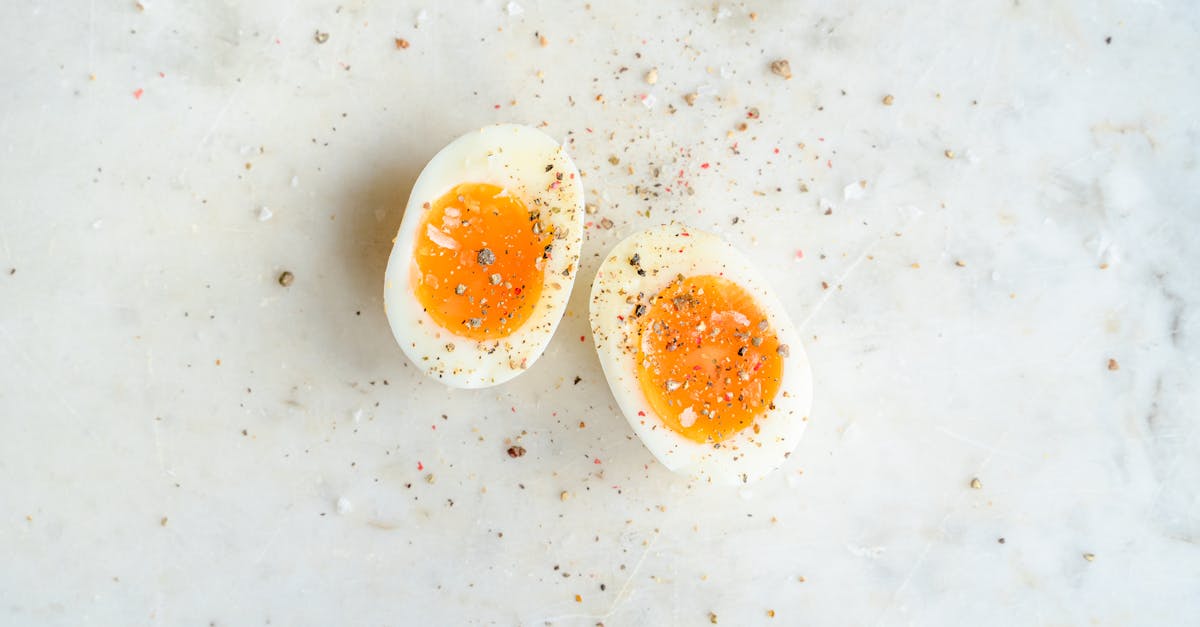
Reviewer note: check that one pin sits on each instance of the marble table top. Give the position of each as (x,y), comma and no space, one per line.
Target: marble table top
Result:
(983,218)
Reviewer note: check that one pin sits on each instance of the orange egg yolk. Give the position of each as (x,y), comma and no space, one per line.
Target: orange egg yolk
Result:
(707,360)
(478,261)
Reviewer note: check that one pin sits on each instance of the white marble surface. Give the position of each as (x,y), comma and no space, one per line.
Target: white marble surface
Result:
(185,442)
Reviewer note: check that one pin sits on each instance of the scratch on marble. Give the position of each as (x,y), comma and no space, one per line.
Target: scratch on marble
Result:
(991,449)
(158,449)
(270,542)
(841,280)
(17,350)
(91,35)
(621,597)
(941,528)
(212,128)
(845,275)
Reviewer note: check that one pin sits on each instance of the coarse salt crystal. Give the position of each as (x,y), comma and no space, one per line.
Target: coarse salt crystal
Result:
(687,418)
(853,191)
(648,100)
(440,238)
(264,214)
(344,506)
(512,8)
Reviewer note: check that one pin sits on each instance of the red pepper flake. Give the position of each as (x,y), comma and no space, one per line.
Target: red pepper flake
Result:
(496,106)
(514,409)
(420,466)
(517,291)
(641,413)
(596,461)
(799,254)
(277,42)
(588,130)
(581,338)
(829,162)
(434,427)
(161,75)
(621,318)
(704,165)
(137,93)
(776,151)
(820,139)
(686,234)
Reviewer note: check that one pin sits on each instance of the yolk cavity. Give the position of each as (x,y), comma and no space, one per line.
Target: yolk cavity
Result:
(707,360)
(478,261)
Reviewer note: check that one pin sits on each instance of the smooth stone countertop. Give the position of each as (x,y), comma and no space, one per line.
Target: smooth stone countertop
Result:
(996,277)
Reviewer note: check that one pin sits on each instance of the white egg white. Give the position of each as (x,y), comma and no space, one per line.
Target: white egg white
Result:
(664,253)
(526,163)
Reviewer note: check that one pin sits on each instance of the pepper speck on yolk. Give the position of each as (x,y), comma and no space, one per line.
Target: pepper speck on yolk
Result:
(478,261)
(707,360)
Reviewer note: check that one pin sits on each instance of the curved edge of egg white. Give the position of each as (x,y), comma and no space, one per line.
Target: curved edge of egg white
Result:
(487,155)
(703,254)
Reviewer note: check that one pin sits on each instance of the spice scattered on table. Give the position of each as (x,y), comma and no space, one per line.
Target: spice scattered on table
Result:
(401,43)
(1091,557)
(782,68)
(516,451)
(976,484)
(1113,365)
(690,99)
(652,76)
(286,278)
(949,153)
(320,37)
(888,100)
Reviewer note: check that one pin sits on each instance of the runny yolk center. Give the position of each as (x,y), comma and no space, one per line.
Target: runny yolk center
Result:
(478,261)
(707,360)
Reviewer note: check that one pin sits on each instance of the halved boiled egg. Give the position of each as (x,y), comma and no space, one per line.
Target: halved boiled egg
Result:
(700,355)
(486,255)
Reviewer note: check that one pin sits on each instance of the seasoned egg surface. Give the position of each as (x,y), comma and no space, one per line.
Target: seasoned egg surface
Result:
(700,355)
(485,256)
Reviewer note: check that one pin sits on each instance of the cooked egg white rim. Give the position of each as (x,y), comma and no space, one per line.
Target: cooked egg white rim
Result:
(745,456)
(515,158)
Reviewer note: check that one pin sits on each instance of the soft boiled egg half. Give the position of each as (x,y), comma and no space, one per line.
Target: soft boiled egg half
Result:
(700,355)
(486,255)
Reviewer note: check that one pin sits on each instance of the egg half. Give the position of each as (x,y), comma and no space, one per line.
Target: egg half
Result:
(485,256)
(700,355)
